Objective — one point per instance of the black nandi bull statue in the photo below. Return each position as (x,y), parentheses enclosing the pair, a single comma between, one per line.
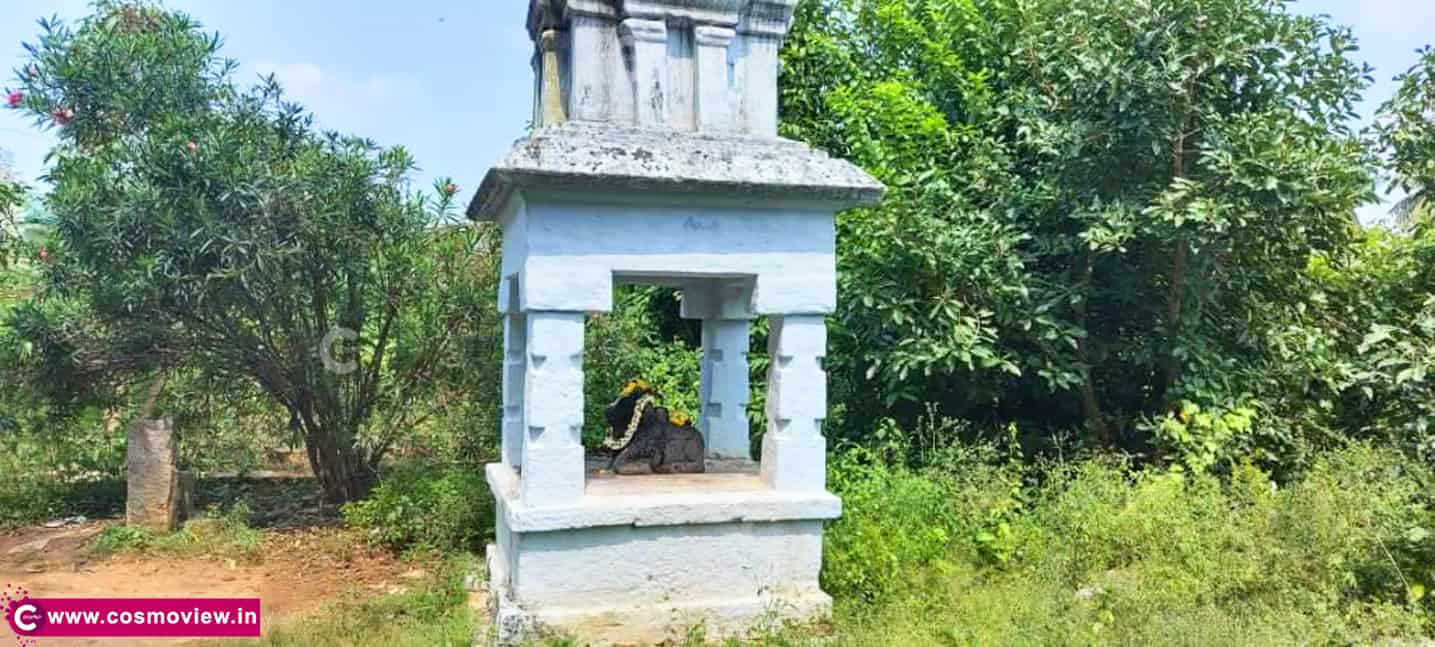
(646,438)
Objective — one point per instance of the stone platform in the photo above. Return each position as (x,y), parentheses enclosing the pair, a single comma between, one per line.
(639,559)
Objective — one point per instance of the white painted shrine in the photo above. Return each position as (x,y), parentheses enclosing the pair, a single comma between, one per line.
(655,159)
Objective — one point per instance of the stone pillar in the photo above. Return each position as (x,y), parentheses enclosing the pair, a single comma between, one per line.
(591,60)
(794,453)
(515,347)
(724,306)
(552,111)
(763,26)
(552,456)
(725,388)
(714,103)
(649,42)
(759,101)
(154,497)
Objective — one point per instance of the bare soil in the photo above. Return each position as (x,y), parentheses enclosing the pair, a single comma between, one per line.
(297,571)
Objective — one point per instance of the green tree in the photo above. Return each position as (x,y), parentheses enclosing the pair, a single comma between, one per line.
(1100,211)
(1407,136)
(245,244)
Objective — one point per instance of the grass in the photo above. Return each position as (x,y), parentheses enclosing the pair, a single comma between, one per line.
(218,533)
(948,546)
(1099,553)
(432,614)
(233,515)
(969,549)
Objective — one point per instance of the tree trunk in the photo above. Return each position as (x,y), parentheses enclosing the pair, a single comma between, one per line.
(341,468)
(1176,289)
(1090,405)
(1175,298)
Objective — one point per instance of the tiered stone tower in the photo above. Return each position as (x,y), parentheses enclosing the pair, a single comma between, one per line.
(655,159)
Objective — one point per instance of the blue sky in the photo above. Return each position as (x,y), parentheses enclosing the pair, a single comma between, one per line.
(449,79)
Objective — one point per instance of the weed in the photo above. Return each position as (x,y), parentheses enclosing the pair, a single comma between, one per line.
(225,533)
(426,507)
(433,613)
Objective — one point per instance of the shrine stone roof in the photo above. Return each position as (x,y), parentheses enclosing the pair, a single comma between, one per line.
(580,156)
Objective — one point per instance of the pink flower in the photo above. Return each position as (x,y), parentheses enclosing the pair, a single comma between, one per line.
(15,98)
(192,146)
(43,255)
(63,115)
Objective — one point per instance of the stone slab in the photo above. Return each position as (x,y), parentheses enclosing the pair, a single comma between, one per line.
(153,489)
(579,157)
(642,586)
(661,500)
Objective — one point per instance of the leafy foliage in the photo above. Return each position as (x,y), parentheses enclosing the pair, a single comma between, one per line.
(215,228)
(12,198)
(1407,135)
(1100,552)
(50,475)
(426,507)
(1098,210)
(641,338)
(217,533)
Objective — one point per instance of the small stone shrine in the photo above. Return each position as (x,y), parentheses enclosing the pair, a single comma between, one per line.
(655,159)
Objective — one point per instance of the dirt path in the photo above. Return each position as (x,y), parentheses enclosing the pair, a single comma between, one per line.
(297,571)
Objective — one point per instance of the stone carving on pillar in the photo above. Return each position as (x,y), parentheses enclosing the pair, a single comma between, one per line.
(515,365)
(724,403)
(793,449)
(154,488)
(725,308)
(552,455)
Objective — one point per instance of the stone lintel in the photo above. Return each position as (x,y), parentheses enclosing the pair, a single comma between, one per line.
(767,18)
(720,37)
(657,508)
(711,12)
(718,299)
(544,14)
(581,157)
(599,8)
(643,31)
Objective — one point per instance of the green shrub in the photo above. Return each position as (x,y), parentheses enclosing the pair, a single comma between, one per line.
(70,468)
(897,518)
(636,340)
(427,507)
(431,613)
(1101,552)
(221,532)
